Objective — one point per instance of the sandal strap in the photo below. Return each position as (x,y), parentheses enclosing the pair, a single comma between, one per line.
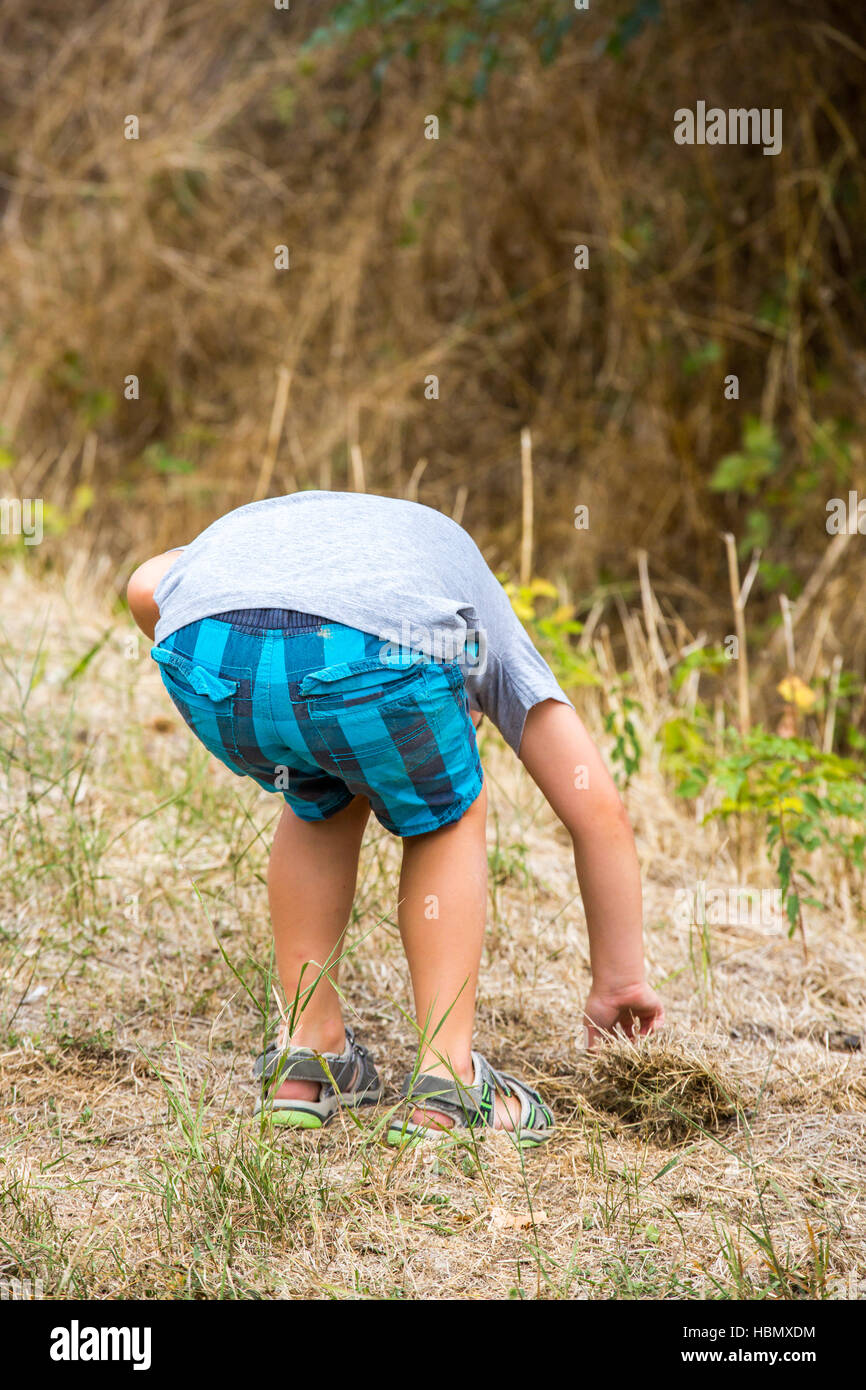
(473,1105)
(350,1070)
(468,1105)
(534,1114)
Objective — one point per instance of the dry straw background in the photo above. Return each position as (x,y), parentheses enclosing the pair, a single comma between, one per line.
(723,1160)
(455,257)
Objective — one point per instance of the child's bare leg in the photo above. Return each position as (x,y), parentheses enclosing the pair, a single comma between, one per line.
(311,885)
(443,906)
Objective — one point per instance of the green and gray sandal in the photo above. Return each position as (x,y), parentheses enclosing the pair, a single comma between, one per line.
(350,1079)
(472,1107)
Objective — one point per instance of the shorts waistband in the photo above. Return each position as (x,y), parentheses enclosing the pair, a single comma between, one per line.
(286,619)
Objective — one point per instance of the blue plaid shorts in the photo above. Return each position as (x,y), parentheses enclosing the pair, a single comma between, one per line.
(315,710)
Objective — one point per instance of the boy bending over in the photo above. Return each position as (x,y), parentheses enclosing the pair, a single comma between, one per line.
(340,648)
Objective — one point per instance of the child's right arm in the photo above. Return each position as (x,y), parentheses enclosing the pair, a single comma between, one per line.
(562,759)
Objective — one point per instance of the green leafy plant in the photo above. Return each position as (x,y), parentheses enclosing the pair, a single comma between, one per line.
(630,25)
(709,659)
(701,357)
(805,798)
(758,459)
(160,460)
(683,746)
(553,628)
(457,33)
(627,750)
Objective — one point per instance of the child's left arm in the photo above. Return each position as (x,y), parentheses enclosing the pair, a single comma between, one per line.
(562,759)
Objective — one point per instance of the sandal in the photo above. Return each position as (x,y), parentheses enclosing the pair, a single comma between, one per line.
(472,1107)
(349,1079)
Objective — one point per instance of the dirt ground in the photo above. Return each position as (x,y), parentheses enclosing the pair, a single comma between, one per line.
(724,1159)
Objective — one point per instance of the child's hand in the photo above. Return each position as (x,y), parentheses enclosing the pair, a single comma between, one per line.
(635,1012)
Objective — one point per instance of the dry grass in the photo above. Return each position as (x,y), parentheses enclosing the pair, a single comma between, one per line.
(663,1092)
(724,1160)
(155,257)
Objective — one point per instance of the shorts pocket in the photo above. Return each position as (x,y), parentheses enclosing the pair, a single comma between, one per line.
(375,711)
(358,682)
(205,696)
(198,684)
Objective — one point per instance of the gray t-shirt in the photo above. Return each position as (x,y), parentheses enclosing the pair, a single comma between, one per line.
(399,570)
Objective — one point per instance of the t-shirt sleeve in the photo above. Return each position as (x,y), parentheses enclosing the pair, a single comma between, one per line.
(512,674)
(509,689)
(159,591)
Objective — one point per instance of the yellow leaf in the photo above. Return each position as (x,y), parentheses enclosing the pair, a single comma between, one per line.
(524,610)
(542,588)
(82,500)
(796,692)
